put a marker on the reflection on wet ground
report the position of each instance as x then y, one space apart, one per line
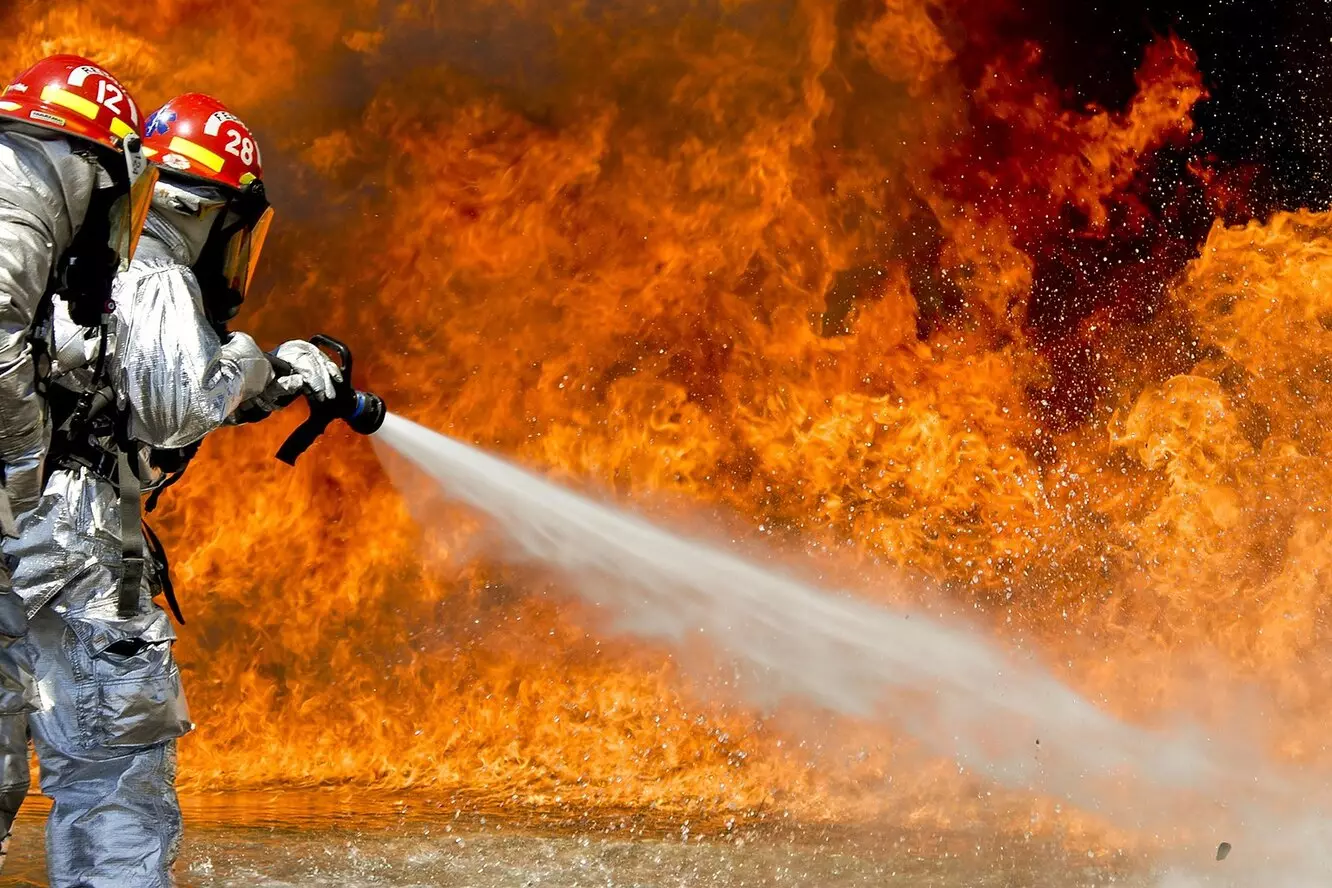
275 840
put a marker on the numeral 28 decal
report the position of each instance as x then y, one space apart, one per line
242 146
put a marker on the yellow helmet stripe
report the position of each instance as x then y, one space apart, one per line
119 128
59 96
197 153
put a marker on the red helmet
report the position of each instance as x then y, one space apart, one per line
73 96
195 135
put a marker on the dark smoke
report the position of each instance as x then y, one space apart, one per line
1265 62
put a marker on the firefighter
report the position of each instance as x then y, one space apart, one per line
128 416
74 190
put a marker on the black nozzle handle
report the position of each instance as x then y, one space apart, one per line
305 434
362 411
280 367
322 413
338 347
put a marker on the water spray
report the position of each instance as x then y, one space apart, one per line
998 711
362 411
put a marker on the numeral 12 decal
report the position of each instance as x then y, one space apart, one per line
109 96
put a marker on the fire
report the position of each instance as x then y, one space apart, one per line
877 295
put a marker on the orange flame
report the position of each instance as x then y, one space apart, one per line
766 261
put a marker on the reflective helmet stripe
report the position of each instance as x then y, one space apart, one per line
198 153
63 97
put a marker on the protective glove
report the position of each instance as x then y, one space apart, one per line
313 372
253 366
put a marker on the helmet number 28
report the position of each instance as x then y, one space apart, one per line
242 146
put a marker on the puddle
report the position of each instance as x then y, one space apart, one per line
360 840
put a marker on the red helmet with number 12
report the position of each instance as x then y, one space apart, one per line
77 98
73 96
195 137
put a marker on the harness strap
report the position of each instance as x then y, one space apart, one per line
131 532
39 336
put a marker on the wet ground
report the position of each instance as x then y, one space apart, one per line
278 840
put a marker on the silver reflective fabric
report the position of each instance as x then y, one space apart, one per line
183 217
18 696
13 776
179 380
111 702
44 194
105 736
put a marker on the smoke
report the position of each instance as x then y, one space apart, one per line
953 689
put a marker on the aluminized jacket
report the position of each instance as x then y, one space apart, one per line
45 190
177 381
111 697
44 195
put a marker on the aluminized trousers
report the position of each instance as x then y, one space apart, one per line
18 696
105 737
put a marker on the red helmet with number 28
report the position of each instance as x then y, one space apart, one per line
195 137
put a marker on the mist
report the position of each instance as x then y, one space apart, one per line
952 688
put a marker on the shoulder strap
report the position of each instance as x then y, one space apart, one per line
43 327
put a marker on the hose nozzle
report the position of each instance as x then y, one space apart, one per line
368 415
363 411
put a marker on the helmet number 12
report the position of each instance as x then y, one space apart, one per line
109 96
241 146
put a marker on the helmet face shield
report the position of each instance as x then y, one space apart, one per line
243 250
133 215
231 253
131 211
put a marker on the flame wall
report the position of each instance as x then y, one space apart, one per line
862 278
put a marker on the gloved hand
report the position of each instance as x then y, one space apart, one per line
253 366
313 372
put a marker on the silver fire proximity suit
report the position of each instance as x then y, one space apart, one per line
45 190
111 703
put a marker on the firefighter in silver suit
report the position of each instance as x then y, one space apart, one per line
74 189
127 415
